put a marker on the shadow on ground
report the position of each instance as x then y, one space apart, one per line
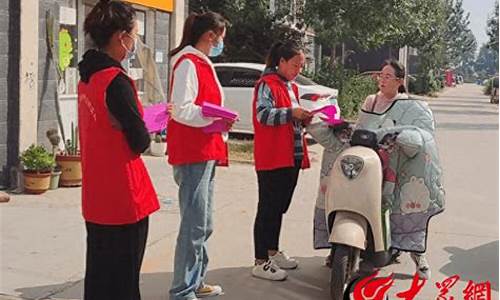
467 126
478 264
309 282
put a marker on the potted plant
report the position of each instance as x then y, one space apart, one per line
55 139
158 145
70 161
37 166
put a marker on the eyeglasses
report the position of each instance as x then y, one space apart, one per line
386 77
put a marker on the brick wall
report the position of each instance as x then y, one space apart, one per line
47 76
9 87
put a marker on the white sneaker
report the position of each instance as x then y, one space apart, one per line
269 271
423 268
207 290
283 261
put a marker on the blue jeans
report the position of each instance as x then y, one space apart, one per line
196 187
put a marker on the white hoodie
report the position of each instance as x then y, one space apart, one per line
185 90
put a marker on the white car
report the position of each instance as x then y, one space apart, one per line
238 82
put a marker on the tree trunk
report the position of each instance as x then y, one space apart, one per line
333 56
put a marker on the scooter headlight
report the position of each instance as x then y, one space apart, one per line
351 166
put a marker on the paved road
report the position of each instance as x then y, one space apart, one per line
42 249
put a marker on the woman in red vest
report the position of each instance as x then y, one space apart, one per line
117 193
194 153
280 152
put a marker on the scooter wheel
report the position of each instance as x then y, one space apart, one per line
340 272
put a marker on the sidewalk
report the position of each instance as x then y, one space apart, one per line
43 237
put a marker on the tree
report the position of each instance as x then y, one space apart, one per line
487 62
373 23
337 21
460 42
492 30
253 27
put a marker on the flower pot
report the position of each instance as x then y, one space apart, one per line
54 179
71 168
158 149
36 183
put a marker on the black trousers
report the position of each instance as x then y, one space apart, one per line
114 259
276 189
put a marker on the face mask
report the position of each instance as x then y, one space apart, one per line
130 52
217 49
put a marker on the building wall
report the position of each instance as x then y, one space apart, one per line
158 34
370 60
9 87
47 76
162 45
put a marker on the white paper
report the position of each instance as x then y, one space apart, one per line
67 15
159 57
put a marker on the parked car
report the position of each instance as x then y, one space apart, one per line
238 82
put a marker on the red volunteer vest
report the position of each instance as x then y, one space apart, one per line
274 145
186 144
116 188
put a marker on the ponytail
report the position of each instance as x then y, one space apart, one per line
279 50
274 56
196 25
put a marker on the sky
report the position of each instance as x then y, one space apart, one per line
479 11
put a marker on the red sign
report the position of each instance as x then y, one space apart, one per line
373 288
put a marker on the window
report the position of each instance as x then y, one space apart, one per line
224 75
302 80
67 47
244 78
135 68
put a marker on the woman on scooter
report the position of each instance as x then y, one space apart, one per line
417 194
280 152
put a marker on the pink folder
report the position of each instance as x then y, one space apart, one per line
156 117
329 111
216 111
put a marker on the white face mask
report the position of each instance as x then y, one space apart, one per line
130 52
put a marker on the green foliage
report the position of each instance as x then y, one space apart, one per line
459 40
253 27
486 63
240 150
425 84
332 75
492 30
488 87
490 84
353 88
354 93
71 146
37 158
373 23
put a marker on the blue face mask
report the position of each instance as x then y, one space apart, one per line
217 49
